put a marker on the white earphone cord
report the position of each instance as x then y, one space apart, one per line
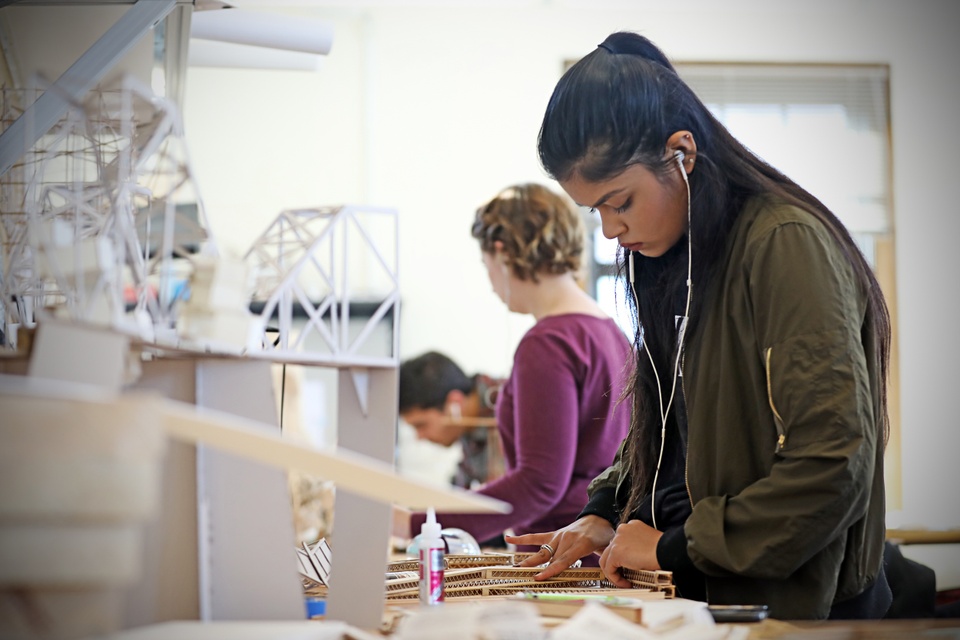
664 412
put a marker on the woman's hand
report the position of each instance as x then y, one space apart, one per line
589 534
635 547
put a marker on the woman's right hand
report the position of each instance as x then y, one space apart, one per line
589 534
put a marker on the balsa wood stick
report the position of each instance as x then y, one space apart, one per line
361 474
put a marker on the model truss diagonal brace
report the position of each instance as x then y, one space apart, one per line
82 76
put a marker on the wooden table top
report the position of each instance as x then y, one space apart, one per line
931 629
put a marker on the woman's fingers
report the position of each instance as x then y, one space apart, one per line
542 555
567 548
530 538
611 568
634 546
563 547
554 549
561 561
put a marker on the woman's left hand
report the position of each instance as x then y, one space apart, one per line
634 546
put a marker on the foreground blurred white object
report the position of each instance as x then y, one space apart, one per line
247 630
501 620
77 481
673 619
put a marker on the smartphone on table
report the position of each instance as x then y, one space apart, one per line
738 612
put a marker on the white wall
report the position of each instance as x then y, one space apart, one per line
433 109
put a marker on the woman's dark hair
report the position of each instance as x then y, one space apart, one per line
616 108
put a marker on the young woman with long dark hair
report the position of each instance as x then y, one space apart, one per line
754 465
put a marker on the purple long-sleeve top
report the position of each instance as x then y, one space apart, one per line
560 425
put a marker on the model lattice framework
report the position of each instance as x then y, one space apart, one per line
487 574
101 221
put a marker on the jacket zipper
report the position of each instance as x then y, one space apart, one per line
686 460
686 456
781 433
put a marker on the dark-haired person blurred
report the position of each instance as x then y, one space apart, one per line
446 406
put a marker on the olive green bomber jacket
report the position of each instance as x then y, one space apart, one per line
785 450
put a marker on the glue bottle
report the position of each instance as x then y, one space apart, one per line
431 560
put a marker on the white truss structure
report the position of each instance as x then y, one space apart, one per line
91 225
91 218
94 210
303 260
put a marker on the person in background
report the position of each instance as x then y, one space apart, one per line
558 413
754 466
445 406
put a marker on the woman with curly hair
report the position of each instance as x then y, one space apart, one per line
557 413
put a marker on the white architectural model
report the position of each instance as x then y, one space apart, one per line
103 221
216 310
102 226
306 259
101 216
